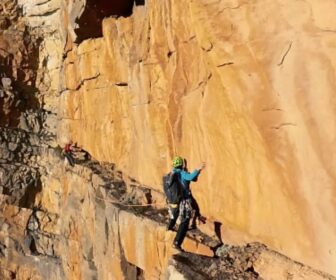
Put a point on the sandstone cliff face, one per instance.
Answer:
(245, 87)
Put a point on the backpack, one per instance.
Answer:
(172, 188)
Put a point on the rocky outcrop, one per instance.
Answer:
(19, 178)
(86, 223)
(19, 65)
(230, 83)
(134, 83)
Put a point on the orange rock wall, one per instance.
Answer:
(96, 238)
(247, 87)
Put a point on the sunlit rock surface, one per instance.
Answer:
(246, 86)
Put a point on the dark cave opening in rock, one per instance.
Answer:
(89, 23)
(139, 2)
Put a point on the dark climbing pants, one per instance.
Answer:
(70, 159)
(181, 232)
(174, 214)
(185, 210)
(196, 211)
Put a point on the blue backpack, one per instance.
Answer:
(172, 188)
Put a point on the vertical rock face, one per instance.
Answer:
(19, 64)
(246, 87)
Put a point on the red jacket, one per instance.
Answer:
(67, 148)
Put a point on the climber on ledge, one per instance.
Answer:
(68, 153)
(74, 153)
(184, 208)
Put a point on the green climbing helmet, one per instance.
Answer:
(177, 161)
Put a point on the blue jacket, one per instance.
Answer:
(185, 178)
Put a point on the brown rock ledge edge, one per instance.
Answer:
(89, 224)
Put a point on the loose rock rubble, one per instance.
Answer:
(232, 262)
(19, 169)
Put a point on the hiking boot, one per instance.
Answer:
(178, 247)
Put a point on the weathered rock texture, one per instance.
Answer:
(246, 86)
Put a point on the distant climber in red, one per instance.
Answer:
(68, 153)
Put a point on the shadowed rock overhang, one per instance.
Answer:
(89, 23)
